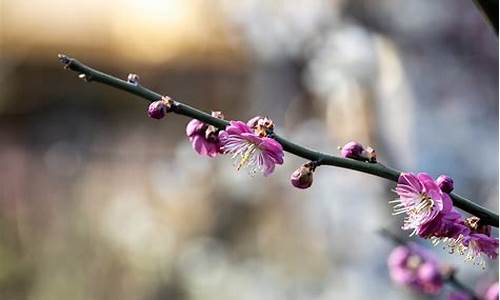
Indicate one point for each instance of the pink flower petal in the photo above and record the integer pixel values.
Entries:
(194, 127)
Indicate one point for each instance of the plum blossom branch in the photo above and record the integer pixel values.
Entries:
(89, 74)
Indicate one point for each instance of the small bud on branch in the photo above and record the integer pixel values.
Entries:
(302, 178)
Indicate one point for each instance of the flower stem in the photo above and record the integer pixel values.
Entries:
(89, 74)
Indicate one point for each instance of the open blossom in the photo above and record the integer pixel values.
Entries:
(430, 213)
(477, 244)
(204, 137)
(474, 243)
(414, 267)
(465, 237)
(421, 199)
(250, 147)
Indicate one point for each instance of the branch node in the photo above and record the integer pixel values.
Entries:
(133, 79)
(65, 60)
(85, 77)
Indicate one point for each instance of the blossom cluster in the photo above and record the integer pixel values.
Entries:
(414, 267)
(430, 214)
(425, 202)
(248, 143)
(429, 211)
(203, 137)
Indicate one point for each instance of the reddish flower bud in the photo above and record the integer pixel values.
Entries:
(370, 154)
(352, 150)
(158, 109)
(204, 137)
(302, 178)
(356, 151)
(445, 183)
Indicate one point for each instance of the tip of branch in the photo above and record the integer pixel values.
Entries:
(65, 60)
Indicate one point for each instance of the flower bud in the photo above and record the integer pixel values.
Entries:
(445, 183)
(195, 127)
(370, 154)
(217, 114)
(302, 178)
(158, 109)
(352, 150)
(133, 79)
(356, 151)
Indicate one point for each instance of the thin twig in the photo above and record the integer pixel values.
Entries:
(89, 74)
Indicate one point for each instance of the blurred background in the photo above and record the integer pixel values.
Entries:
(97, 201)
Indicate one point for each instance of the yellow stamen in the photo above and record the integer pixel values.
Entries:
(246, 157)
(414, 262)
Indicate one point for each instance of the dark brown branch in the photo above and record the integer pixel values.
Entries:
(89, 74)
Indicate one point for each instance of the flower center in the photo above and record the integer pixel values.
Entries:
(246, 155)
(425, 204)
(413, 262)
